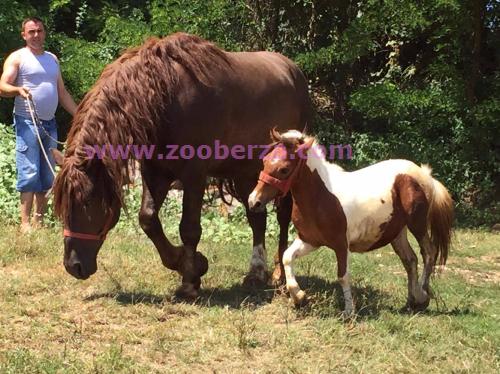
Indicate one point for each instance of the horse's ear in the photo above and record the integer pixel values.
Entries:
(306, 142)
(58, 156)
(275, 135)
(305, 129)
(309, 141)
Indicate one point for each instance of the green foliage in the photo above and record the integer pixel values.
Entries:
(81, 63)
(121, 33)
(9, 197)
(417, 79)
(217, 228)
(226, 22)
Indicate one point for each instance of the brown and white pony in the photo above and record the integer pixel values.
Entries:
(357, 211)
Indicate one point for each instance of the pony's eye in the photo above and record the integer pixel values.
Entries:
(283, 171)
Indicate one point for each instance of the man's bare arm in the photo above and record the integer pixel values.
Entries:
(9, 75)
(65, 98)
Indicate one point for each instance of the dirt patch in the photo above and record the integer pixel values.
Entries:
(477, 277)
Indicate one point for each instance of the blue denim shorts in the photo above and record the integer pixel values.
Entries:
(33, 172)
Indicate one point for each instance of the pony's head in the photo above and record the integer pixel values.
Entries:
(88, 209)
(281, 166)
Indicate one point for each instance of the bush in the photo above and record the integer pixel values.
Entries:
(9, 197)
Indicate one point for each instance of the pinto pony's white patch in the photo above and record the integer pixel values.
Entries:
(365, 195)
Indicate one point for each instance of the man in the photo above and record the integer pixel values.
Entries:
(32, 72)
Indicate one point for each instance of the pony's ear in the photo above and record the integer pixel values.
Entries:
(306, 143)
(58, 156)
(275, 135)
(309, 141)
(304, 131)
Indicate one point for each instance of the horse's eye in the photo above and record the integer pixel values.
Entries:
(283, 171)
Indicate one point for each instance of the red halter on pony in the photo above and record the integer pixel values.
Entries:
(284, 185)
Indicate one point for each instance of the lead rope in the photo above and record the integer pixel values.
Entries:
(36, 122)
(43, 128)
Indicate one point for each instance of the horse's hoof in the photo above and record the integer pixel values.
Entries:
(299, 299)
(255, 280)
(201, 264)
(347, 314)
(187, 291)
(277, 279)
(173, 261)
(414, 307)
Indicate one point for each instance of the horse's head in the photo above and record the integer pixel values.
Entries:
(85, 200)
(281, 166)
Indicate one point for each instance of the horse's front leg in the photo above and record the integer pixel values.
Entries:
(193, 264)
(284, 214)
(258, 272)
(298, 249)
(154, 191)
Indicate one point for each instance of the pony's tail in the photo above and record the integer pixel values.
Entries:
(440, 217)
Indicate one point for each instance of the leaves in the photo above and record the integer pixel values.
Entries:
(393, 79)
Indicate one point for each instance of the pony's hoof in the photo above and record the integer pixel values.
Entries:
(187, 291)
(277, 279)
(414, 307)
(299, 299)
(255, 279)
(201, 264)
(347, 314)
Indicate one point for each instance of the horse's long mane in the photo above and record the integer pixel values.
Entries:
(126, 105)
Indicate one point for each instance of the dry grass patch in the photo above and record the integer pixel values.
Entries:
(125, 318)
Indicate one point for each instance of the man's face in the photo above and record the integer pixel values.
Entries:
(34, 35)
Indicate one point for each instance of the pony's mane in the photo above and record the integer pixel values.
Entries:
(294, 138)
(126, 106)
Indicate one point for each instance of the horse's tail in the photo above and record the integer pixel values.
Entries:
(440, 216)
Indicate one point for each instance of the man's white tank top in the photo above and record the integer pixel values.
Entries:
(39, 73)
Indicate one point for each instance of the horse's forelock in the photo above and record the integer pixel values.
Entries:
(72, 185)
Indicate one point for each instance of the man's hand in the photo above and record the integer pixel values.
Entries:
(24, 92)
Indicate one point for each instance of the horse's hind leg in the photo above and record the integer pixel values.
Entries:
(258, 273)
(417, 298)
(284, 216)
(154, 191)
(417, 224)
(429, 255)
(342, 254)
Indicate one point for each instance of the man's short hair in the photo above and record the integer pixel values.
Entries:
(29, 19)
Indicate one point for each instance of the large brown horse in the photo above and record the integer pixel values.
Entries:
(180, 90)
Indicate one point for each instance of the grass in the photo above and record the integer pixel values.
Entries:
(125, 319)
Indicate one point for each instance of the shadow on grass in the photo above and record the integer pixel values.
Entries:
(325, 299)
(236, 296)
(129, 298)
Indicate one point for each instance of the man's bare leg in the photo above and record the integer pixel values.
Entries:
(25, 208)
(39, 211)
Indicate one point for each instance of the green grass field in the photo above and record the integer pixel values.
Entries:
(125, 319)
